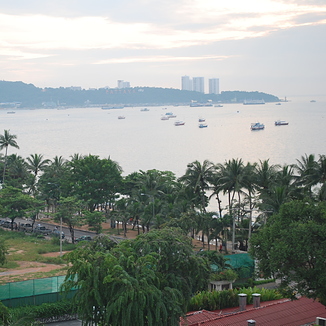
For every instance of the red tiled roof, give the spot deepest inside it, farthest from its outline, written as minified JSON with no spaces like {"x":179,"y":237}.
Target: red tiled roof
{"x":285,"y":312}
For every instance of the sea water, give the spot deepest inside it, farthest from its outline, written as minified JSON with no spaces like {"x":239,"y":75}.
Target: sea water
{"x":143,"y":141}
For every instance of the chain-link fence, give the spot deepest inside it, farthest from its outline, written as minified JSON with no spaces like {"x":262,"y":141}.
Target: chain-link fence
{"x":32,"y":292}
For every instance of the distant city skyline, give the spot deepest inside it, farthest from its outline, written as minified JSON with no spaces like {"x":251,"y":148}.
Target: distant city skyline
{"x":272,"y":46}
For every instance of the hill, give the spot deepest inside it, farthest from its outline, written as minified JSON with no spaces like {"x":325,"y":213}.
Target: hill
{"x":19,"y":94}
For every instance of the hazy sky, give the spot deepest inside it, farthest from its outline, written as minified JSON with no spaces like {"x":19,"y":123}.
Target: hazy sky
{"x":273,"y":46}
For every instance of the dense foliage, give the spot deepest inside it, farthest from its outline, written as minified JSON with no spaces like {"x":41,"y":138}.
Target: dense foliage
{"x":292,"y":247}
{"x":146,"y":281}
{"x":214,"y":300}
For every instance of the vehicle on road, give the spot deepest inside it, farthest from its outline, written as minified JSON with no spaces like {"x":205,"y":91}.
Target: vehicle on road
{"x":56,"y":233}
{"x":26,"y":227}
{"x":84,"y":238}
{"x":42,"y":230}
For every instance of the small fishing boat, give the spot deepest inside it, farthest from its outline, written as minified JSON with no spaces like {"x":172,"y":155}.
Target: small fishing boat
{"x":179,"y":123}
{"x":257,"y":126}
{"x":203,"y":125}
{"x":121,"y":117}
{"x":144,"y":110}
{"x":281,"y":123}
{"x":201,"y":120}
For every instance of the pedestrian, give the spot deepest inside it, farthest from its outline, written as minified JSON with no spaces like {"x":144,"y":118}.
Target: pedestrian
{"x":221,"y":247}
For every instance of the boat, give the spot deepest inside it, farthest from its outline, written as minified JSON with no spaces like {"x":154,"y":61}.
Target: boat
{"x":112,"y":107}
{"x":313,"y":101}
{"x":165,"y":117}
{"x":278,"y":104}
{"x":252,"y":102}
{"x":170,"y":115}
{"x":218,"y":105}
{"x":199,"y":105}
{"x":281,"y":123}
{"x":179,"y":123}
{"x":257,"y":126}
{"x":144,"y":109}
{"x":121,"y":117}
{"x":203,"y":125}
{"x":11,"y":112}
{"x":201,"y":120}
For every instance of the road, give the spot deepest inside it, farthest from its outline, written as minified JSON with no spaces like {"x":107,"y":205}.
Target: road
{"x":78,"y":233}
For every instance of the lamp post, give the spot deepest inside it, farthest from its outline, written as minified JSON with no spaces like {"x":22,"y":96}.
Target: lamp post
{"x":60,"y":235}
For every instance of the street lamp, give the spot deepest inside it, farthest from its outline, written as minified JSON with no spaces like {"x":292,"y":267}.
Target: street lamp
{"x":60,"y":235}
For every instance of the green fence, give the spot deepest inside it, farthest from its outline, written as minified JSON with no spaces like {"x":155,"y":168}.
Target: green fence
{"x":32,"y":292}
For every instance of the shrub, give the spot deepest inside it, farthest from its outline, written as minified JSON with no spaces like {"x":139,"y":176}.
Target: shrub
{"x":229,"y":298}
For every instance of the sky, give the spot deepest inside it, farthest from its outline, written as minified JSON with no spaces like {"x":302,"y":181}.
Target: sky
{"x":273,"y":46}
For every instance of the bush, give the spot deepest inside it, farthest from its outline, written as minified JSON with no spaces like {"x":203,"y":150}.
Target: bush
{"x":44,"y":311}
{"x":229,"y":298}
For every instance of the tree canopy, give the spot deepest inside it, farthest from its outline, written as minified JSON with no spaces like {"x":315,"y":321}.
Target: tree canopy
{"x":292,"y":247}
{"x":146,"y":281}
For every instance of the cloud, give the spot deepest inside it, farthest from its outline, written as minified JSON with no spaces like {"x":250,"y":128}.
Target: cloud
{"x":161,"y":59}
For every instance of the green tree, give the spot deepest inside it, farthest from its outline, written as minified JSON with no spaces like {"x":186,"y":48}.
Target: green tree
{"x":197,"y":178}
{"x":94,"y":220}
{"x":7,"y":140}
{"x":15,"y":204}
{"x":69,"y":212}
{"x":292,"y":247}
{"x":95,"y":181}
{"x":35,"y":163}
{"x":146,"y":281}
{"x":3,"y":252}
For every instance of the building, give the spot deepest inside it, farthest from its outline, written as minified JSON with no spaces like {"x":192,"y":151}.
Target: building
{"x":299,"y":312}
{"x":214,"y":86}
{"x":186,"y":83}
{"x":198,"y":84}
{"x":123,"y":84}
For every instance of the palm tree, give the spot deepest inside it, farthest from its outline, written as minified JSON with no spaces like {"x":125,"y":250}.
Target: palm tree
{"x":36,"y":163}
{"x":307,"y":169}
{"x":197,"y":178}
{"x":7,"y":140}
{"x":232,"y":183}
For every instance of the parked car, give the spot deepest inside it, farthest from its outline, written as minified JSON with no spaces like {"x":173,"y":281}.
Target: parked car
{"x":7,"y":224}
{"x":56,"y":233}
{"x":84,"y":238}
{"x":42,"y":230}
{"x":26,"y":227}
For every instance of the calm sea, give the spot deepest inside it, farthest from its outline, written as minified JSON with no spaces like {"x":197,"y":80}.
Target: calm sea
{"x":143,"y":141}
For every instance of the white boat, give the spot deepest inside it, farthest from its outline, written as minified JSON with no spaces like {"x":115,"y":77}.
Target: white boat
{"x":281,"y":123}
{"x":11,"y":112}
{"x":165,"y":117}
{"x":144,"y":109}
{"x":203,"y":125}
{"x":121,"y":117}
{"x":218,"y":105}
{"x":179,"y":123}
{"x":201,"y":120}
{"x":257,"y":126}
{"x":278,"y":103}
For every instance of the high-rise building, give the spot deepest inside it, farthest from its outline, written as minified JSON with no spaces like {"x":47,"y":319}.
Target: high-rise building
{"x":198,"y":84}
{"x":214,"y":86}
{"x":186,"y":83}
{"x":123,"y":84}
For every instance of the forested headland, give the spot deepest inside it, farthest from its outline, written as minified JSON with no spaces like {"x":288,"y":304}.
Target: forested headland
{"x":19,"y":94}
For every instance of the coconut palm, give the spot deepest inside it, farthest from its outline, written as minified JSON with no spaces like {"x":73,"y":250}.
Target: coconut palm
{"x":307,"y":168}
{"x":6,"y":140}
{"x":232,"y":183}
{"x":197,"y":177}
{"x":35,"y":163}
